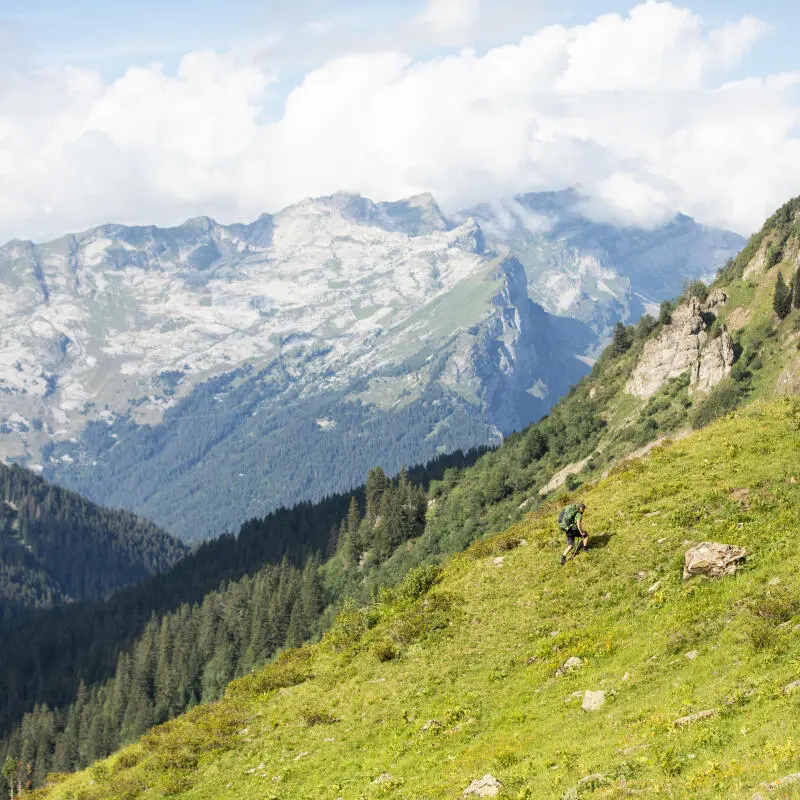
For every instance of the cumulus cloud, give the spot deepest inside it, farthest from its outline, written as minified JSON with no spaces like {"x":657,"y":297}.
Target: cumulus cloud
{"x":635,"y":110}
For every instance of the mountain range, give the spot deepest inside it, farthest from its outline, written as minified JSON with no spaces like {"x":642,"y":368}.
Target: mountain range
{"x":423,"y":681}
{"x":205,"y":374}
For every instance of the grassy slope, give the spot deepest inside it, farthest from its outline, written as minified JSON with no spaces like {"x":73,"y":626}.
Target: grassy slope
{"x":479,"y":652}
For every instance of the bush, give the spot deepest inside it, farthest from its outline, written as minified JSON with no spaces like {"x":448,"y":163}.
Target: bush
{"x":291,"y":668}
{"x":724,"y":398}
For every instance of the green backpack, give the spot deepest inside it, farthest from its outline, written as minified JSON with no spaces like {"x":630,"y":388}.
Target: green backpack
{"x":566,"y":519}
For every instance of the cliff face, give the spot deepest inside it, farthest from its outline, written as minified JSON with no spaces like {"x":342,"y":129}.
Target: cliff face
{"x":684,"y":345}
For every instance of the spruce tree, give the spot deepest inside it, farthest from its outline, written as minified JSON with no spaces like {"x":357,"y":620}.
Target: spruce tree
{"x":620,"y":340}
{"x":782,"y":299}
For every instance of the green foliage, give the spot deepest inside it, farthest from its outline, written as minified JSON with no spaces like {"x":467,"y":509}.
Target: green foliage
{"x":697,"y":289}
{"x":469,"y":686}
{"x":57,"y":546}
{"x":665,"y":312}
{"x":621,"y":339}
{"x":725,"y":397}
{"x":782,"y":298}
{"x":796,"y":289}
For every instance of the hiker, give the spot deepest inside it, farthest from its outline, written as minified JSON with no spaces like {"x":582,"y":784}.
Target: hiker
{"x":570,"y":520}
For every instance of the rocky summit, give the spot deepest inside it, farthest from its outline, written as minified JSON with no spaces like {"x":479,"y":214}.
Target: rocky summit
{"x":130,"y":357}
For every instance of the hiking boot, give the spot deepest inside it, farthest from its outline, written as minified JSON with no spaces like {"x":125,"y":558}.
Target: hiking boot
{"x":563,"y":560}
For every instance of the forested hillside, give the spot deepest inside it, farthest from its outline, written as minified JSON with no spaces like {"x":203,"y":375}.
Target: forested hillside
{"x":727,"y":344}
{"x":612,"y":676}
{"x":56,"y":546}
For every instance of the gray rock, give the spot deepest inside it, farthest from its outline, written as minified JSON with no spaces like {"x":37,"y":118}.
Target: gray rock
{"x":570,"y":665}
{"x":684,"y":345}
{"x":713,"y":365}
{"x":499,"y":561}
{"x":792,"y":687}
{"x":692,"y":655}
{"x":593,"y":701}
{"x":487,"y":786}
{"x":786,"y":780}
{"x":713,"y":559}
{"x":696,"y":717}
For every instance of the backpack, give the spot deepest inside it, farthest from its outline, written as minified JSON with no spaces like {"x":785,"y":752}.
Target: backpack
{"x":566,"y":519}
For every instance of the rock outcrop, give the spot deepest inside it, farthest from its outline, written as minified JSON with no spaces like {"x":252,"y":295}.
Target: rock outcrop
{"x":713,"y":559}
{"x":593,"y":701}
{"x":714,"y":363}
{"x":487,"y":786}
{"x":684,"y":345}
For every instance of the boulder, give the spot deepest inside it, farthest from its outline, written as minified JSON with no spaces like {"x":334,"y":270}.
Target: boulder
{"x":792,"y":687}
{"x":487,"y":786}
{"x":713,"y":559}
{"x":570,"y":665}
{"x":696,"y":717}
{"x":593,"y":701}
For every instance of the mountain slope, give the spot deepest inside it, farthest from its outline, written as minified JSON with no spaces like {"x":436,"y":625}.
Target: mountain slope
{"x":56,"y":546}
{"x":424,"y":692}
{"x":139,"y":364}
{"x":599,"y":422}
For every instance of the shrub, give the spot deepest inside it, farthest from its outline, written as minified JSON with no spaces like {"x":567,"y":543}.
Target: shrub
{"x":312,"y":716}
{"x":724,"y":398}
{"x":291,"y":668}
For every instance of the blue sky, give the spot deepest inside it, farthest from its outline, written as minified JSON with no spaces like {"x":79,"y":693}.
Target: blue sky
{"x":110,"y":36}
{"x":153,"y":111}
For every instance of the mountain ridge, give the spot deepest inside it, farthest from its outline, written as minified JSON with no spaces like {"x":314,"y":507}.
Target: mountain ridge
{"x":395,"y":311}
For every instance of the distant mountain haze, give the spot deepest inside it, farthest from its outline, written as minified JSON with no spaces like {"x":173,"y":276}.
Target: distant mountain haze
{"x":205,"y":374}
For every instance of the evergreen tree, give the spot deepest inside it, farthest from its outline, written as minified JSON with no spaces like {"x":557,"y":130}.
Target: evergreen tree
{"x":782,"y":299}
{"x":621,"y":340}
{"x":377,"y":483}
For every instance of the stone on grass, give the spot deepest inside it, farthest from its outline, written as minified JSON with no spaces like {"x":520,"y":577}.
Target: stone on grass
{"x":487,"y":786}
{"x":655,"y":587}
{"x":692,"y":655}
{"x":786,"y":780}
{"x":593,"y":701}
{"x":713,"y":559}
{"x":792,"y":687}
{"x":696,"y":717}
{"x":498,"y":562}
{"x":570,"y":665}
{"x":432,"y":725}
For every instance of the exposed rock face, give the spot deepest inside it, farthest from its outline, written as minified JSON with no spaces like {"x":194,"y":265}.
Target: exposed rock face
{"x":789,"y":379}
{"x":684,"y":345}
{"x":714,"y":363}
{"x":712,"y":559}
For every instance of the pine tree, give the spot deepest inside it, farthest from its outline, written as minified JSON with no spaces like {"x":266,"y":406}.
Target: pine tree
{"x":782,"y":299}
{"x":620,"y":340}
{"x":377,"y":483}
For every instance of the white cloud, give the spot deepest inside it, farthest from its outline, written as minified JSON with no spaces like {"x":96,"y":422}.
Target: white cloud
{"x":449,"y":21}
{"x":635,"y":110}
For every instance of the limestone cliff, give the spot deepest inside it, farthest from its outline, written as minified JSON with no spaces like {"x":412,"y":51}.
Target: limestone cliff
{"x":684,"y":345}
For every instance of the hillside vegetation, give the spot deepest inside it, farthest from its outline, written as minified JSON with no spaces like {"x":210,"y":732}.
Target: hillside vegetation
{"x":56,"y":546}
{"x":396,"y":530}
{"x":455,"y":675}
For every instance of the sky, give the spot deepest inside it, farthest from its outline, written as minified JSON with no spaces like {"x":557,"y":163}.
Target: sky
{"x":153,"y":112}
